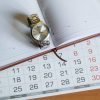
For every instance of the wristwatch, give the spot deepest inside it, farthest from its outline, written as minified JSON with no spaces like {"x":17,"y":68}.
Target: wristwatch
{"x":39,"y":31}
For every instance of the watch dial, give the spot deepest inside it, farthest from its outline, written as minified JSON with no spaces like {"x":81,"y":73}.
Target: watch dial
{"x":40,"y":31}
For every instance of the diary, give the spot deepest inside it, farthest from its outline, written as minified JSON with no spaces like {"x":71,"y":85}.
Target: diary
{"x":68,"y":20}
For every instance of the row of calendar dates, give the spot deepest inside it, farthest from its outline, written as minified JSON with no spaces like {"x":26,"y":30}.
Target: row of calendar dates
{"x":33,"y":82}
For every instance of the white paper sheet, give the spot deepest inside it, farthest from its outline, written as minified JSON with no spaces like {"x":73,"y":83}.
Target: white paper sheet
{"x":71,"y":19}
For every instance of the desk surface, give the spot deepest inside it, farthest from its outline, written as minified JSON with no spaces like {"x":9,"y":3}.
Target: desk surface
{"x":87,"y":95}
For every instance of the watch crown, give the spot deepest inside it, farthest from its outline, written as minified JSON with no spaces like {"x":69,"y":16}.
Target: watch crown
{"x":33,"y":20}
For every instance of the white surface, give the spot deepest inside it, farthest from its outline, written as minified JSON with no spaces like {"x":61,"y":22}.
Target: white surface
{"x":71,"y":19}
{"x":16,"y":81}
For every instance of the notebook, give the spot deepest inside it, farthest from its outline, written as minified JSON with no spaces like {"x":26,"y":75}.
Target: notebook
{"x":68,"y":20}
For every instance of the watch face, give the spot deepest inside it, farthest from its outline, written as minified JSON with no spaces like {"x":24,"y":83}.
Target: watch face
{"x":40,"y":31}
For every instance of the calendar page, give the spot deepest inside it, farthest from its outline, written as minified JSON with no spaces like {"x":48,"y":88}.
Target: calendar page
{"x":47,"y":75}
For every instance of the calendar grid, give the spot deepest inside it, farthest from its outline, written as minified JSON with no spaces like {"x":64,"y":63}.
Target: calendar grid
{"x":49,"y":75}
